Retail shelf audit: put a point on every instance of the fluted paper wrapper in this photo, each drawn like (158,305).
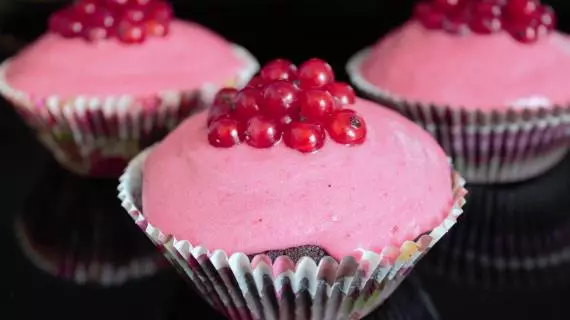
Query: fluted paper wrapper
(97,136)
(486,147)
(262,288)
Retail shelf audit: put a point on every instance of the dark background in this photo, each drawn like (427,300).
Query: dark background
(79,221)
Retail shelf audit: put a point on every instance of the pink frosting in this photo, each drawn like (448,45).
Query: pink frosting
(475,71)
(392,188)
(186,59)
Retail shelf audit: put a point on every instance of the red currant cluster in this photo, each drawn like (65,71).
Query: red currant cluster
(298,106)
(525,20)
(130,21)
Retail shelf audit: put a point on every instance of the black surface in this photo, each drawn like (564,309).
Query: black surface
(512,221)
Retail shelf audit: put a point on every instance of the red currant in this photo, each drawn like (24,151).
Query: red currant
(225,95)
(86,7)
(220,110)
(520,10)
(131,33)
(305,137)
(66,23)
(457,22)
(315,73)
(342,92)
(525,32)
(256,83)
(316,105)
(247,104)
(157,28)
(262,132)
(134,13)
(279,69)
(429,16)
(160,11)
(99,25)
(546,17)
(446,5)
(279,99)
(224,133)
(347,127)
(485,18)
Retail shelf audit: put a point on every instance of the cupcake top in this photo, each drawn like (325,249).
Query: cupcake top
(305,176)
(474,54)
(115,47)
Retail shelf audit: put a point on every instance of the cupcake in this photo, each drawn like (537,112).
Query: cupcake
(484,77)
(110,77)
(292,198)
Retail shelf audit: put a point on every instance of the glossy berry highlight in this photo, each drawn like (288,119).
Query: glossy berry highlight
(128,21)
(289,106)
(525,20)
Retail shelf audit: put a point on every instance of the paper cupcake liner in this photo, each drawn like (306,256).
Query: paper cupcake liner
(97,136)
(70,229)
(486,147)
(262,288)
(512,237)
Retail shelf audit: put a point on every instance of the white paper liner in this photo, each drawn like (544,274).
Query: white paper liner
(261,289)
(486,147)
(97,136)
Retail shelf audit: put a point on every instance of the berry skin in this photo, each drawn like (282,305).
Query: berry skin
(279,69)
(219,111)
(224,133)
(525,32)
(520,10)
(256,82)
(347,127)
(429,15)
(314,74)
(86,7)
(546,16)
(316,105)
(342,93)
(247,104)
(305,137)
(280,99)
(131,33)
(157,28)
(159,11)
(134,13)
(262,132)
(100,25)
(446,5)
(67,23)
(225,95)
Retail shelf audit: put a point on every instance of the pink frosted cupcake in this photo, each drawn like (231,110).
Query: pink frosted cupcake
(486,78)
(293,199)
(112,76)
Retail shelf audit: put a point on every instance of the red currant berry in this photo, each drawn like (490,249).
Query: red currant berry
(160,11)
(66,23)
(525,32)
(316,105)
(457,22)
(220,110)
(86,7)
(546,16)
(115,4)
(279,99)
(315,73)
(446,5)
(279,69)
(131,33)
(256,83)
(485,18)
(347,127)
(134,13)
(157,28)
(224,133)
(99,25)
(247,104)
(262,132)
(225,95)
(305,137)
(342,93)
(520,10)
(142,2)
(428,15)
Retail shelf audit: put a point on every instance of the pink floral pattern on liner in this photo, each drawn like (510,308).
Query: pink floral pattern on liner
(260,289)
(486,147)
(98,136)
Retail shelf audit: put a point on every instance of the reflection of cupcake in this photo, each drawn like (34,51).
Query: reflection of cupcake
(110,73)
(513,237)
(292,201)
(71,230)
(487,80)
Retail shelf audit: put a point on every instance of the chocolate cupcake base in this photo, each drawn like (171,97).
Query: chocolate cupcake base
(486,147)
(263,287)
